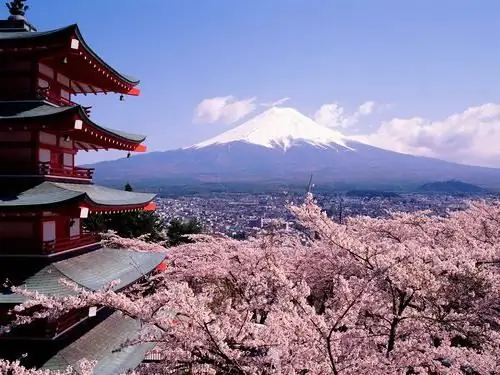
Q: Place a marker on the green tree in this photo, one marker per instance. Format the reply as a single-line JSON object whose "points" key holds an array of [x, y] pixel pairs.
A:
{"points": [[129, 224], [178, 231], [136, 224]]}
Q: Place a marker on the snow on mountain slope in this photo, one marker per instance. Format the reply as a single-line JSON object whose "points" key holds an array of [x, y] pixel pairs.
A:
{"points": [[253, 153], [279, 128]]}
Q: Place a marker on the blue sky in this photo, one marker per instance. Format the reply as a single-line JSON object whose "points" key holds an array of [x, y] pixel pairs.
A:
{"points": [[423, 59]]}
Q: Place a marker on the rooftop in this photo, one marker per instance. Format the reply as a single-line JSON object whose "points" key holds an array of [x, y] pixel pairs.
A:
{"points": [[50, 193], [26, 110], [92, 271], [26, 39], [102, 344]]}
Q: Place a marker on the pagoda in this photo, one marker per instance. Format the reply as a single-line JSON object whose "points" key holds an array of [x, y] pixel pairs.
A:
{"points": [[44, 196]]}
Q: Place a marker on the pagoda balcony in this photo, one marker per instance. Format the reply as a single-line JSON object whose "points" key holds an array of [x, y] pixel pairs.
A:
{"points": [[62, 102], [54, 98], [85, 239], [47, 168]]}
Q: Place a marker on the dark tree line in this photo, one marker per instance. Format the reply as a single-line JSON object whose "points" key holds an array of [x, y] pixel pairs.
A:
{"points": [[150, 223]]}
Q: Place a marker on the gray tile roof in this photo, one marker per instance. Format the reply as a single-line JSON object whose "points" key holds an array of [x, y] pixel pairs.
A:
{"points": [[107, 196], [25, 109], [47, 193], [92, 271], [35, 109], [100, 344], [22, 39]]}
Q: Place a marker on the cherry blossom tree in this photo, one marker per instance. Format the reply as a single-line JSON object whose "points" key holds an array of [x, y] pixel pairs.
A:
{"points": [[84, 367], [113, 240], [412, 294]]}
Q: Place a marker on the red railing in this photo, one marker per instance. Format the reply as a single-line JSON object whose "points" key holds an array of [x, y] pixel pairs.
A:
{"points": [[63, 102], [53, 97], [62, 244], [46, 168]]}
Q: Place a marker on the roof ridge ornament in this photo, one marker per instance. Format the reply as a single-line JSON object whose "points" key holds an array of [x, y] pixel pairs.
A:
{"points": [[17, 9]]}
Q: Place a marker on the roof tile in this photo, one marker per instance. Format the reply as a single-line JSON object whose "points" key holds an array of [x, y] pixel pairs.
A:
{"points": [[47, 193], [101, 344], [92, 271]]}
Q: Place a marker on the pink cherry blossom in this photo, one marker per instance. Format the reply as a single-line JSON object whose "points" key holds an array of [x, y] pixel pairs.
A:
{"points": [[112, 240], [412, 294], [84, 367]]}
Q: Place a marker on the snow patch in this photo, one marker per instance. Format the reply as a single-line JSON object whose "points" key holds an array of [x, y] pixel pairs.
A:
{"points": [[280, 128]]}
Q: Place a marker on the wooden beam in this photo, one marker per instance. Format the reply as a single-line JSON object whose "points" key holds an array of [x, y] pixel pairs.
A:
{"points": [[82, 146], [79, 87], [98, 89], [74, 88], [92, 89]]}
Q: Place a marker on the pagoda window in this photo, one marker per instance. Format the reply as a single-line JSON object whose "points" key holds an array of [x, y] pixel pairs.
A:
{"points": [[63, 80], [74, 229], [65, 143], [48, 139], [49, 231], [54, 86], [46, 70], [68, 160], [44, 155]]}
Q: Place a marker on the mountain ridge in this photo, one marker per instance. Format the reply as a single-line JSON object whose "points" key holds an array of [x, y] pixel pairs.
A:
{"points": [[450, 186], [279, 145]]}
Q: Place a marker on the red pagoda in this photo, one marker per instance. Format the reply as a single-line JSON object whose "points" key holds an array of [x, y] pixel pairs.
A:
{"points": [[44, 196]]}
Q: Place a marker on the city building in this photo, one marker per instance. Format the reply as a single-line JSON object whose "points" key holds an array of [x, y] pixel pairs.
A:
{"points": [[44, 197]]}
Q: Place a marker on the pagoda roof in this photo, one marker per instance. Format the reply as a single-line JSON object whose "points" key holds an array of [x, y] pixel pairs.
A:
{"points": [[50, 193], [22, 111], [25, 39], [101, 344], [92, 271]]}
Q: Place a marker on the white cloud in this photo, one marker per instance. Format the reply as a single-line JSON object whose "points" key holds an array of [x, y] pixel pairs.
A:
{"points": [[366, 108], [276, 103], [224, 109], [469, 137], [333, 115]]}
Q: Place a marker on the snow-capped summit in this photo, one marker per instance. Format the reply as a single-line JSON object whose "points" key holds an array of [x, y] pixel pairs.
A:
{"points": [[254, 153], [279, 128]]}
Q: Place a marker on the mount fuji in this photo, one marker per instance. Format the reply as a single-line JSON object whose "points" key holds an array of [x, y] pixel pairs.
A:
{"points": [[279, 128], [283, 146]]}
